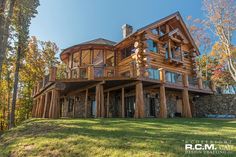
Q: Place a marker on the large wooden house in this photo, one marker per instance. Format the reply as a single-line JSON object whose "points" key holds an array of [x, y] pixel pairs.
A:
{"points": [[150, 73]]}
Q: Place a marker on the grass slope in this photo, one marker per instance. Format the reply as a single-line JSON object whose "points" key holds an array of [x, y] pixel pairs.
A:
{"points": [[112, 137]]}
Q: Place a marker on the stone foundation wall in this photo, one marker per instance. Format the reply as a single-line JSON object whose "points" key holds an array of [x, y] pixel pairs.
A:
{"points": [[215, 104]]}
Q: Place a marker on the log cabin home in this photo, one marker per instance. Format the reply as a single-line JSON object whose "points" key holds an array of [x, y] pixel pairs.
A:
{"points": [[150, 73]]}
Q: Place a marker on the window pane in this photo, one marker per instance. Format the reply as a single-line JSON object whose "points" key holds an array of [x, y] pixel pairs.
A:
{"points": [[98, 72], [98, 57], [110, 59], [86, 59], [156, 74], [150, 45], [150, 72]]}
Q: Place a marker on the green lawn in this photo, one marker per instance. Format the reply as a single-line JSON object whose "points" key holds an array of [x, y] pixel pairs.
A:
{"points": [[113, 137]]}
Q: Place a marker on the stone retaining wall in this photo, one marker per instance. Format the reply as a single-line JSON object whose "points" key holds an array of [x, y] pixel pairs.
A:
{"points": [[215, 104]]}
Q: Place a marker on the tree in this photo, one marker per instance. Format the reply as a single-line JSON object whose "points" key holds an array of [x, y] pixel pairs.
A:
{"points": [[5, 21], [221, 20], [24, 11]]}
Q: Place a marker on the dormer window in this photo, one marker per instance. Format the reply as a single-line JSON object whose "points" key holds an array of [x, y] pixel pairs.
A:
{"points": [[152, 46]]}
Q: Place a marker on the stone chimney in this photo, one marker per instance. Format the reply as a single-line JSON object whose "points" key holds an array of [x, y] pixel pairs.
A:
{"points": [[127, 30]]}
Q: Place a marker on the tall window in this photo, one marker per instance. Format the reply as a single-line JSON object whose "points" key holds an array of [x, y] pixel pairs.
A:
{"points": [[126, 52], [152, 46], [76, 59], [86, 57], [154, 74], [98, 57], [173, 77], [110, 58]]}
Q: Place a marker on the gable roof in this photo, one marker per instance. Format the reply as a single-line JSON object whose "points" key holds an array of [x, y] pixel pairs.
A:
{"points": [[99, 41], [167, 18]]}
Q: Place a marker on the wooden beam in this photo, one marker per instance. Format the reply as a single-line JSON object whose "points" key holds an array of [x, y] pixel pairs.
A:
{"points": [[163, 108], [86, 104], [139, 102], [186, 106], [121, 86], [108, 103], [123, 102], [85, 88]]}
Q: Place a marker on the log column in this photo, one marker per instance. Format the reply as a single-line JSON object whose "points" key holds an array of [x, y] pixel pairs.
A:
{"points": [[163, 106], [100, 101], [86, 104], [139, 102], [45, 105], [122, 102], [185, 96], [54, 104], [108, 103], [186, 105]]}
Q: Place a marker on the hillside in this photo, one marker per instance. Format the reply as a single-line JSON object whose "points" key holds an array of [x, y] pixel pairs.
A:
{"points": [[112, 137]]}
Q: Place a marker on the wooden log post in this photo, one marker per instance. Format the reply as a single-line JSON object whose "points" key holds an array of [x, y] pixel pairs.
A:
{"points": [[185, 97], [123, 102], [139, 102], [51, 105], [42, 106], [98, 101], [186, 105], [45, 105], [108, 103], [102, 101], [86, 104], [163, 106], [39, 106], [56, 111]]}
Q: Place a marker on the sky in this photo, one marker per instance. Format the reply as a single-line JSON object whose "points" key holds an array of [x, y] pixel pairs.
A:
{"points": [[70, 22]]}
